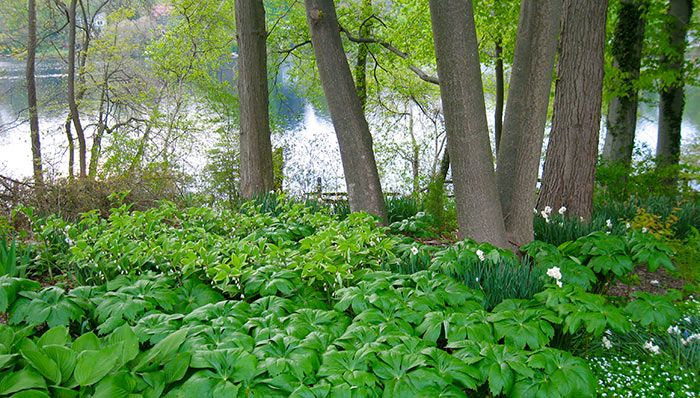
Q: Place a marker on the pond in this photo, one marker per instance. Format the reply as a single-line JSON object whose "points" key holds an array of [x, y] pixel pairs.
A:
{"points": [[308, 138]]}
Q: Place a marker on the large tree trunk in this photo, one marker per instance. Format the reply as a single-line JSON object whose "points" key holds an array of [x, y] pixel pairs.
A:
{"points": [[672, 95], [362, 52], [500, 94], [627, 57], [255, 145], [31, 96], [354, 138], [478, 209], [569, 168], [72, 104], [526, 115]]}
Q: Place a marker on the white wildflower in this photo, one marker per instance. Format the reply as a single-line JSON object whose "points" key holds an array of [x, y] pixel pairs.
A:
{"points": [[534, 210], [673, 330], [608, 223], [654, 282], [562, 210], [480, 254], [554, 272], [606, 343], [651, 347], [414, 250], [628, 225], [559, 284], [644, 230]]}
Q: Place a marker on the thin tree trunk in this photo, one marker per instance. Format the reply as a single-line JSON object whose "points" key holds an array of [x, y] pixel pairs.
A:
{"points": [[75, 116], [96, 148], [500, 95], [627, 45], [526, 115], [444, 165], [31, 96], [71, 148], [255, 145], [672, 95], [415, 156], [354, 138], [362, 52], [569, 168], [461, 89]]}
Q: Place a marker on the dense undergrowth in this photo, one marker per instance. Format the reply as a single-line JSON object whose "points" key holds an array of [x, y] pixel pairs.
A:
{"points": [[281, 298]]}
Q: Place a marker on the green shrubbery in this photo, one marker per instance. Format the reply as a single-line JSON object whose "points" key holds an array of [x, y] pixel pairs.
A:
{"points": [[288, 299]]}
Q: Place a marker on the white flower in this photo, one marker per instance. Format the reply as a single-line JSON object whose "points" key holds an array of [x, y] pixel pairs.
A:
{"points": [[547, 209], [535, 210], [580, 219], [654, 282], [606, 343], [414, 250], [628, 225], [480, 254], [608, 223], [559, 283], [562, 210], [651, 347], [673, 330], [554, 272], [644, 230]]}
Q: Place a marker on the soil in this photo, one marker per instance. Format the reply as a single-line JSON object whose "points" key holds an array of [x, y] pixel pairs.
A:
{"points": [[653, 282]]}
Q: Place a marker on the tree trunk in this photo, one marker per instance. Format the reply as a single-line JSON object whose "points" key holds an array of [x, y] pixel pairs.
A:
{"points": [[71, 148], [500, 94], [444, 165], [478, 209], [96, 148], [255, 145], [627, 57], [526, 115], [362, 52], [569, 168], [672, 95], [354, 138], [31, 96], [75, 116]]}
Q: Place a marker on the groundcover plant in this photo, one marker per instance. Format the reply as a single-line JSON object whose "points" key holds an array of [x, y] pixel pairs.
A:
{"points": [[298, 302]]}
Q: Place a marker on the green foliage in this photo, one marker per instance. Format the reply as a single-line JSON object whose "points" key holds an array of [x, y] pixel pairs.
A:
{"points": [[285, 299], [500, 275], [10, 263]]}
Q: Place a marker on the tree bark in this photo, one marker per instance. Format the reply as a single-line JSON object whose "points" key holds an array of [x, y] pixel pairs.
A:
{"points": [[72, 104], [500, 95], [31, 96], [569, 167], [627, 45], [354, 138], [478, 209], [672, 95], [362, 52], [71, 148], [526, 115], [255, 145]]}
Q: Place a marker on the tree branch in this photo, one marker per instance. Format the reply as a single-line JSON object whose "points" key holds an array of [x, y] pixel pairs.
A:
{"points": [[419, 72]]}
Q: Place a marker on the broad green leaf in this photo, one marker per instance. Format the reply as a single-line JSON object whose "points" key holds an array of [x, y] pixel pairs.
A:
{"points": [[23, 379], [92, 366], [40, 361], [163, 350]]}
